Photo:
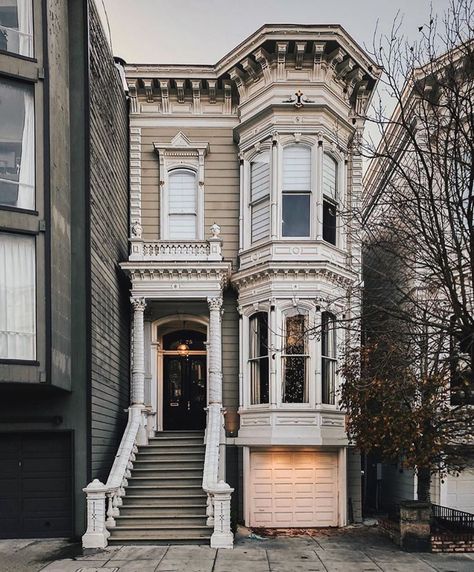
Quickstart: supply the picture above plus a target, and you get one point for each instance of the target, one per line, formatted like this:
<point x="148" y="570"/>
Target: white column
<point x="215" y="350"/>
<point x="137" y="393"/>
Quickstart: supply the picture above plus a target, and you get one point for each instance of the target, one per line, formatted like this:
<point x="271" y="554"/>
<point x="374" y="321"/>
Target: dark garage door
<point x="35" y="485"/>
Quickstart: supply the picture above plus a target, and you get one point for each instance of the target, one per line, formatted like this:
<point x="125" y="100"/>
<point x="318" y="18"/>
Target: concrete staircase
<point x="164" y="501"/>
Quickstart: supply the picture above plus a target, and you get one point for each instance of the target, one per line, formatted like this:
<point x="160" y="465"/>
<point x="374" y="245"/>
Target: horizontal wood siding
<point x="110" y="345"/>
<point x="221" y="182"/>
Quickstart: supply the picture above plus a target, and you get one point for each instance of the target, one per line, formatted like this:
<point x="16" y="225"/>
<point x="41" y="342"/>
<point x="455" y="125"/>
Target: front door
<point x="184" y="392"/>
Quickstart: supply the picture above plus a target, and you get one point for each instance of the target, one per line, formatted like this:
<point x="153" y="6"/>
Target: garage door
<point x="35" y="485"/>
<point x="293" y="489"/>
<point x="461" y="491"/>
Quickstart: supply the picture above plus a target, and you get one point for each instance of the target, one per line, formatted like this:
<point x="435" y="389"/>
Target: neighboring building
<point x="240" y="175"/>
<point x="425" y="164"/>
<point x="64" y="321"/>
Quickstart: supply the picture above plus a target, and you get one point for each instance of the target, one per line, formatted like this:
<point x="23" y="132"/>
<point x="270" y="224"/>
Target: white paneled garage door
<point x="460" y="494"/>
<point x="293" y="489"/>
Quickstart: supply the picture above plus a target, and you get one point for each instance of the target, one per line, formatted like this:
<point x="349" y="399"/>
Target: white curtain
<point x="25" y="27"/>
<point x="17" y="297"/>
<point x="26" y="190"/>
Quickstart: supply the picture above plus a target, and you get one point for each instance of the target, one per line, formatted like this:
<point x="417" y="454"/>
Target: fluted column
<point x="215" y="350"/>
<point x="137" y="392"/>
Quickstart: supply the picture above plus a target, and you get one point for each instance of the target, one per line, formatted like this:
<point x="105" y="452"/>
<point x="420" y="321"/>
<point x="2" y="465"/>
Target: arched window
<point x="260" y="197"/>
<point x="296" y="191"/>
<point x="295" y="359"/>
<point x="182" y="204"/>
<point x="258" y="359"/>
<point x="330" y="199"/>
<point x="328" y="358"/>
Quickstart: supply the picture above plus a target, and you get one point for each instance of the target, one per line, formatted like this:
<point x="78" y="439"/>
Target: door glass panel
<point x="175" y="381"/>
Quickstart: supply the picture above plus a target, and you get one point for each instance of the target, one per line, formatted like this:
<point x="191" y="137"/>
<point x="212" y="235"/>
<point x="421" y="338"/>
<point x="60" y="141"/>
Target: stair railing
<point x="103" y="501"/>
<point x="218" y="492"/>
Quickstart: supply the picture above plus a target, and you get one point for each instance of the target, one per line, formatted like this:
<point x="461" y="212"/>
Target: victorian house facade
<point x="240" y="259"/>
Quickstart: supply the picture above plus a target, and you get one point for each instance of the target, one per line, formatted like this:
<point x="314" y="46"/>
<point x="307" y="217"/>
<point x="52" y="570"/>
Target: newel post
<point x="222" y="536"/>
<point x="96" y="535"/>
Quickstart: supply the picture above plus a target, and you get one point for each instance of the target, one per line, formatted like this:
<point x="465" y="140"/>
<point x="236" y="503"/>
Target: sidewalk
<point x="356" y="549"/>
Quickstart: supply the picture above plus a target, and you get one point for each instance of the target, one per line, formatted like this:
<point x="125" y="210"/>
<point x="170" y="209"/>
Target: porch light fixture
<point x="183" y="349"/>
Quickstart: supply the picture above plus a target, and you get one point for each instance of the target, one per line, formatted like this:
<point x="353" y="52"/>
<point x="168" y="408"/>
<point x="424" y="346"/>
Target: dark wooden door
<point x="35" y="485"/>
<point x="184" y="392"/>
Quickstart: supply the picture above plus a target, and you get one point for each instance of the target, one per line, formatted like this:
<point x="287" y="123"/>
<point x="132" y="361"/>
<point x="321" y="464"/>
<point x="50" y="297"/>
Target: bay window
<point x="17" y="296"/>
<point x="16" y="27"/>
<point x="182" y="202"/>
<point x="294" y="359"/>
<point x="296" y="191"/>
<point x="17" y="145"/>
<point x="260" y="197"/>
<point x="329" y="199"/>
<point x="328" y="358"/>
<point x="258" y="360"/>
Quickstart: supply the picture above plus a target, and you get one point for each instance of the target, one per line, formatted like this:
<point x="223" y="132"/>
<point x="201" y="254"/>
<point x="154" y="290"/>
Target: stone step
<point x="162" y="481"/>
<point x="169" y="464"/>
<point x="164" y="540"/>
<point x="177" y="433"/>
<point x="171" y="472"/>
<point x="170" y="490"/>
<point x="181" y="439"/>
<point x="173" y="445"/>
<point x="173" y="521"/>
<point x="157" y="454"/>
<point x="160" y="532"/>
<point x="164" y="510"/>
<point x="164" y="499"/>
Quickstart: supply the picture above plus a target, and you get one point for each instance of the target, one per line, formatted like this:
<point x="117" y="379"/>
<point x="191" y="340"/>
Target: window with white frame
<point x="330" y="184"/>
<point x="17" y="296"/>
<point x="258" y="359"/>
<point x="16" y="27"/>
<point x="295" y="359"/>
<point x="296" y="191"/>
<point x="260" y="197"/>
<point x="17" y="145"/>
<point x="182" y="204"/>
<point x="328" y="358"/>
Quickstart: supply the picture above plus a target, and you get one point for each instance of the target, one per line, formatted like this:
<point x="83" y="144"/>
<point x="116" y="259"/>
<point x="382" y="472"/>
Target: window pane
<point x="328" y="362"/>
<point x="329" y="177"/>
<point x="329" y="222"/>
<point x="329" y="378"/>
<point x="296" y="168"/>
<point x="296" y="215"/>
<point x="182" y="227"/>
<point x="328" y="335"/>
<point x="17" y="297"/>
<point x="259" y="370"/>
<point x="260" y="177"/>
<point x="260" y="216"/>
<point x="16" y="27"/>
<point x="17" y="145"/>
<point x="294" y="379"/>
<point x="182" y="192"/>
<point x="295" y="334"/>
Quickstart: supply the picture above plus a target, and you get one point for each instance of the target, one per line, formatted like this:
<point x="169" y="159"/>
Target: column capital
<point x="138" y="304"/>
<point x="215" y="303"/>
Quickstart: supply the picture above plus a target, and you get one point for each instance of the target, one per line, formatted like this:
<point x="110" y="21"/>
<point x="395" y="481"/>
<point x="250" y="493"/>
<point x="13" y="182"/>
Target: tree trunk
<point x="424" y="482"/>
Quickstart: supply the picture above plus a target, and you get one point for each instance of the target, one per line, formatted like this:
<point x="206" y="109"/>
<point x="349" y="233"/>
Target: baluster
<point x="110" y="522"/>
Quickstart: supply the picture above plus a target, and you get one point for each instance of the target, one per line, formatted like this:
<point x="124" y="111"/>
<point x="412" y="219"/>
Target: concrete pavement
<point x="358" y="549"/>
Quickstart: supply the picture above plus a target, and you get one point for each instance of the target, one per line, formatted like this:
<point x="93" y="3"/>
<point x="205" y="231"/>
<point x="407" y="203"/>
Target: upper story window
<point x="258" y="359"/>
<point x="295" y="359"/>
<point x="17" y="296"/>
<point x="16" y="27"/>
<point x="17" y="145"/>
<point x="330" y="184"/>
<point x="296" y="191"/>
<point x="260" y="197"/>
<point x="182" y="204"/>
<point x="328" y="358"/>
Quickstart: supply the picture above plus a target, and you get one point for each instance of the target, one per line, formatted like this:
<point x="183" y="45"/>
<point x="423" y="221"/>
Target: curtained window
<point x="260" y="197"/>
<point x="182" y="197"/>
<point x="16" y="27"/>
<point x="296" y="191"/>
<point x="17" y="145"/>
<point x="17" y="297"/>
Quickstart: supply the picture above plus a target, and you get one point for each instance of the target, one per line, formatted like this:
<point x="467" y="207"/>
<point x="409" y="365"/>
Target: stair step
<point x="159" y="500"/>
<point x="156" y="529"/>
<point x="164" y="510"/>
<point x="163" y="540"/>
<point x="171" y="481"/>
<point x="177" y="433"/>
<point x="171" y="521"/>
<point x="131" y="490"/>
<point x="177" y="438"/>
<point x="166" y="445"/>
<point x="168" y="465"/>
<point x="176" y="456"/>
<point x="171" y="472"/>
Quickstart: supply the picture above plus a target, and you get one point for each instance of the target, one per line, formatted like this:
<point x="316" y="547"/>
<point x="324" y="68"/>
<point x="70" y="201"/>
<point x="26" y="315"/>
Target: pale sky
<point x="202" y="31"/>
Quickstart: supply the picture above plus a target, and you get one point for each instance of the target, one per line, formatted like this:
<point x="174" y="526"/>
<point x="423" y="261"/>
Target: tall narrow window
<point x="182" y="197"/>
<point x="260" y="197"/>
<point x="17" y="145"/>
<point x="17" y="297"/>
<point x="259" y="374"/>
<point x="294" y="360"/>
<point x="329" y="199"/>
<point x="16" y="27"/>
<point x="296" y="191"/>
<point x="328" y="357"/>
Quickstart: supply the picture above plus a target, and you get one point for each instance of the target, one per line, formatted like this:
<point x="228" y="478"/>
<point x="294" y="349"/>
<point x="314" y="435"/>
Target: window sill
<point x="18" y="56"/>
<point x="6" y="361"/>
<point x="18" y="210"/>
